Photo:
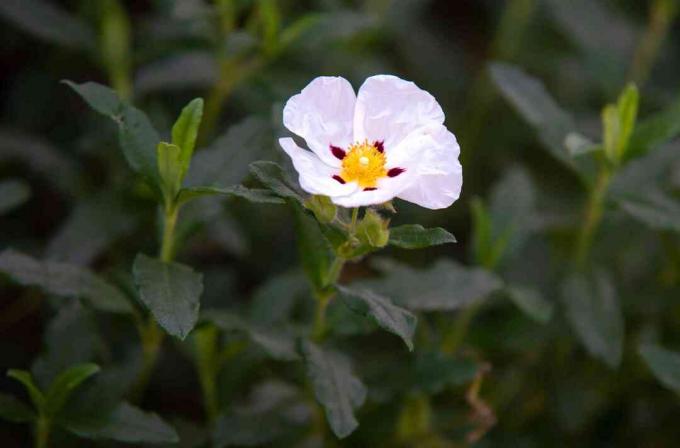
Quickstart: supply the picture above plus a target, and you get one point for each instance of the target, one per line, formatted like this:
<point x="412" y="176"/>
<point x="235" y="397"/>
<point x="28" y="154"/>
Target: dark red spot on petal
<point x="338" y="152"/>
<point x="379" y="145"/>
<point x="339" y="179"/>
<point x="370" y="189"/>
<point x="394" y="172"/>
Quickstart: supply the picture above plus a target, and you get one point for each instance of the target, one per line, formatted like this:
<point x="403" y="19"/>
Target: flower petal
<point x="389" y="108"/>
<point x="315" y="176"/>
<point x="440" y="176"/>
<point x="322" y="114"/>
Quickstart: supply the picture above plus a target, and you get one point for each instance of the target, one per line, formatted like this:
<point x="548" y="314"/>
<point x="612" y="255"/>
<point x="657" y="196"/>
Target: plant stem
<point x="319" y="329"/>
<point x="151" y="335"/>
<point x="660" y="18"/>
<point x="353" y="225"/>
<point x="205" y="340"/>
<point x="592" y="216"/>
<point x="456" y="334"/>
<point x="42" y="431"/>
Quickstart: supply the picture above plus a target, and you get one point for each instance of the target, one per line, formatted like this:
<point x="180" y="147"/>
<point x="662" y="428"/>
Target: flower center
<point x="364" y="164"/>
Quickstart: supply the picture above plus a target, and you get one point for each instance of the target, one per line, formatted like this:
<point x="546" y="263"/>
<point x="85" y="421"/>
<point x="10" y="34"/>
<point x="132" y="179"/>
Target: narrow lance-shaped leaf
<point x="64" y="280"/>
<point x="387" y="315"/>
<point x="127" y="424"/>
<point x="316" y="253"/>
<point x="654" y="131"/>
<point x="136" y="135"/>
<point x="594" y="313"/>
<point x="665" y="365"/>
<point x="46" y="21"/>
<point x="171" y="291"/>
<point x="274" y="178"/>
<point x="335" y="386"/>
<point x="256" y="195"/>
<point x="529" y="300"/>
<point x="14" y="410"/>
<point x="65" y="383"/>
<point x="34" y="392"/>
<point x="415" y="236"/>
<point x="185" y="131"/>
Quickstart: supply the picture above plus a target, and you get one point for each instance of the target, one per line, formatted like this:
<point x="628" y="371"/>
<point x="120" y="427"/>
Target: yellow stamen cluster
<point x="363" y="164"/>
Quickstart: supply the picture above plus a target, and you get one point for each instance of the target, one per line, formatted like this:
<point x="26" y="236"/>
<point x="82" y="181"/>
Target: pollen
<point x="363" y="164"/>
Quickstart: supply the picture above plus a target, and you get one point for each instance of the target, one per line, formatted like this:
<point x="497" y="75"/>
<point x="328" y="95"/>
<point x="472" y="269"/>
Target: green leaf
<point x="529" y="300"/>
<point x="226" y="161"/>
<point x="444" y="286"/>
<point x="255" y="195"/>
<point x="380" y="309"/>
<point x="315" y="251"/>
<point x="323" y="208"/>
<point x="654" y="131"/>
<point x="529" y="97"/>
<point x="65" y="383"/>
<point x="593" y="311"/>
<point x="171" y="291"/>
<point x="48" y="22"/>
<point x="14" y="410"/>
<point x="13" y="193"/>
<point x="274" y="178"/>
<point x="274" y="300"/>
<point x="434" y="371"/>
<point x="63" y="280"/>
<point x="169" y="169"/>
<point x="91" y="227"/>
<point x="126" y="424"/>
<point x="665" y="365"/>
<point x="372" y="231"/>
<point x="335" y="387"/>
<point x="136" y="135"/>
<point x="415" y="236"/>
<point x="654" y="209"/>
<point x="185" y="131"/>
<point x="277" y="344"/>
<point x="34" y="392"/>
<point x="618" y="122"/>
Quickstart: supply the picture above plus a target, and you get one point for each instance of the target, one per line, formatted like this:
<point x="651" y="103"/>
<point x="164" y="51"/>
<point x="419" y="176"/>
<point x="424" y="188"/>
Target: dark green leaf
<point x="335" y="387"/>
<point x="63" y="280"/>
<point x="126" y="424"/>
<point x="387" y="315"/>
<point x="136" y="135"/>
<point x="14" y="410"/>
<point x="539" y="109"/>
<point x="274" y="300"/>
<point x="48" y="22"/>
<point x="315" y="252"/>
<point x="12" y="194"/>
<point x="415" y="236"/>
<point x="185" y="131"/>
<point x="653" y="209"/>
<point x="171" y="291"/>
<point x="592" y="309"/>
<point x="654" y="131"/>
<point x="65" y="383"/>
<point x="531" y="302"/>
<point x="226" y="161"/>
<point x="434" y="371"/>
<point x="34" y="392"/>
<point x="665" y="365"/>
<point x="251" y="194"/>
<point x="274" y="178"/>
<point x="444" y="286"/>
<point x="276" y="343"/>
<point x="90" y="228"/>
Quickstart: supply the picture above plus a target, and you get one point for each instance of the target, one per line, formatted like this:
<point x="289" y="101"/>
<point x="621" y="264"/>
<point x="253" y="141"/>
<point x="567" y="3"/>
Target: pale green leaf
<point x="185" y="132"/>
<point x="665" y="365"/>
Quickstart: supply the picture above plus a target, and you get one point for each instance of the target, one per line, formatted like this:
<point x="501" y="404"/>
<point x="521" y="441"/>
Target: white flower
<point x="387" y="142"/>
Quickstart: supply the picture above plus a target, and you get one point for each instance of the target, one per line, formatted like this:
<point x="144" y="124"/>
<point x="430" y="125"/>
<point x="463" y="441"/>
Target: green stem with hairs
<point x="42" y="431"/>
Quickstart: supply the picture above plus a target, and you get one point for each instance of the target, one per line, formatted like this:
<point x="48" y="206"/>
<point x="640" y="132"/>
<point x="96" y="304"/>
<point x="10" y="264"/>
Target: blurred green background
<point x="554" y="371"/>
